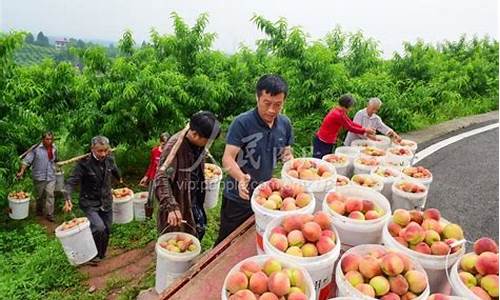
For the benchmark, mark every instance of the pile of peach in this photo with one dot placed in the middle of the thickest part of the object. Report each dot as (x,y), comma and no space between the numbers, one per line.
(400,151)
(384,172)
(365,180)
(211,171)
(179,244)
(336,159)
(352,207)
(368,161)
(19,195)
(410,187)
(72,223)
(122,193)
(417,172)
(372,151)
(342,180)
(275,195)
(307,169)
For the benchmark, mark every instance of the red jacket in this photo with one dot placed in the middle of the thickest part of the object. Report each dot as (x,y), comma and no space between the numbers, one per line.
(333,122)
(153,163)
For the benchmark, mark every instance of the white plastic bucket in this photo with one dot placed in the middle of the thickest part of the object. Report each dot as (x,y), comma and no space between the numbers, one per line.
(458,288)
(212,188)
(360,168)
(263,216)
(19,208)
(170,265)
(435,265)
(356,232)
(425,181)
(77,242)
(364,152)
(408,201)
(140,200)
(352,153)
(345,288)
(123,210)
(388,181)
(320,268)
(379,182)
(388,162)
(261,259)
(342,178)
(341,168)
(403,159)
(383,142)
(59,181)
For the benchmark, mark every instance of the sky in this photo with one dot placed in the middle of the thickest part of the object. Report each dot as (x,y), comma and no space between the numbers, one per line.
(390,22)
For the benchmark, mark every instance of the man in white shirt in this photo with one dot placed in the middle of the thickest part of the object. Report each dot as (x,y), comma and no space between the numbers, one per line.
(368,117)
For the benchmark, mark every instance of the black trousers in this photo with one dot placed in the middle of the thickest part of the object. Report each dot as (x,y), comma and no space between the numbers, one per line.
(100,225)
(321,148)
(232,215)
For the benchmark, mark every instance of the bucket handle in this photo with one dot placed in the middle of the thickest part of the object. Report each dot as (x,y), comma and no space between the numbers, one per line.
(457,243)
(183,222)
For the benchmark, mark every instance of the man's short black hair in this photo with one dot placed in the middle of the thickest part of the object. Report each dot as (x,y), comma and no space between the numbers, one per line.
(205,124)
(272,84)
(47,134)
(347,101)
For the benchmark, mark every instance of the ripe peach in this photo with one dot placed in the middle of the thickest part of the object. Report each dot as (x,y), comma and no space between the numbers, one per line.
(413,233)
(401,217)
(432,213)
(324,245)
(440,248)
(258,283)
(392,264)
(453,231)
(297,279)
(236,281)
(260,200)
(279,283)
(368,205)
(431,237)
(337,206)
(268,296)
(287,191)
(297,296)
(417,281)
(377,253)
(306,218)
(243,295)
(468,279)
(417,216)
(270,204)
(270,266)
(354,278)
(309,250)
(276,199)
(265,191)
(423,248)
(398,284)
(381,285)
(295,251)
(350,262)
(291,223)
(401,241)
(479,292)
(489,283)
(302,200)
(311,231)
(487,263)
(330,234)
(288,204)
(468,262)
(485,245)
(408,264)
(279,229)
(408,296)
(390,296)
(394,229)
(366,289)
(297,189)
(439,296)
(250,267)
(293,173)
(323,219)
(357,215)
(431,224)
(369,267)
(279,241)
(353,205)
(296,238)
(372,215)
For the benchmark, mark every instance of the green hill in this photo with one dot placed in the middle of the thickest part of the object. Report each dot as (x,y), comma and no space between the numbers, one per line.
(32,54)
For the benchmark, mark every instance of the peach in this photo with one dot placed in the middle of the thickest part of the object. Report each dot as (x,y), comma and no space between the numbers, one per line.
(309,250)
(369,267)
(279,283)
(431,224)
(324,245)
(372,215)
(366,289)
(381,285)
(423,248)
(416,216)
(392,264)
(271,266)
(279,229)
(353,205)
(485,245)
(302,200)
(413,233)
(337,206)
(468,262)
(243,295)
(268,296)
(489,283)
(275,184)
(311,231)
(453,231)
(401,217)
(334,196)
(357,215)
(297,189)
(468,279)
(323,219)
(276,199)
(291,223)
(297,279)
(401,241)
(417,281)
(297,296)
(350,262)
(250,267)
(265,191)
(288,204)
(394,229)
(354,278)
(295,251)
(306,218)
(439,296)
(408,296)
(377,253)
(408,264)
(270,204)
(260,200)
(330,234)
(440,248)
(487,263)
(287,191)
(480,293)
(398,284)
(432,213)
(368,205)
(236,281)
(279,241)
(431,237)
(258,283)
(296,238)
(293,173)
(390,296)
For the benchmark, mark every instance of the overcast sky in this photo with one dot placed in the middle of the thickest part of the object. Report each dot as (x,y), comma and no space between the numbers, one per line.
(388,21)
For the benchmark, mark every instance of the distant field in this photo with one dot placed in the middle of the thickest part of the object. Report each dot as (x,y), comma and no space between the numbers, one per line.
(33,54)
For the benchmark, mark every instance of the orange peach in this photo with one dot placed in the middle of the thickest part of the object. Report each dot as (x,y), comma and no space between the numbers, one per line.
(487,263)
(296,238)
(432,213)
(302,200)
(369,267)
(368,205)
(270,266)
(353,205)
(366,289)
(311,231)
(423,248)
(334,197)
(324,245)
(480,293)
(485,245)
(236,281)
(297,296)
(295,251)
(279,241)
(401,241)
(440,248)
(337,206)
(372,215)
(431,224)
(265,191)
(279,283)
(489,283)
(268,296)
(408,296)
(453,231)
(291,223)
(417,216)
(279,229)
(350,262)
(381,285)
(288,204)
(357,215)
(416,281)
(414,233)
(390,296)
(323,219)
(330,234)
(468,279)
(250,267)
(306,218)
(468,262)
(394,229)
(258,283)
(354,278)
(309,250)
(439,296)
(243,295)
(431,237)
(401,217)
(398,284)
(392,264)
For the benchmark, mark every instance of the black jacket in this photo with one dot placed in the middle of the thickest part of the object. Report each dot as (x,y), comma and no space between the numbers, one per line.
(94,178)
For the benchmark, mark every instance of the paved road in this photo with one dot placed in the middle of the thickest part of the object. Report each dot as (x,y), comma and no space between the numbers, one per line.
(465,186)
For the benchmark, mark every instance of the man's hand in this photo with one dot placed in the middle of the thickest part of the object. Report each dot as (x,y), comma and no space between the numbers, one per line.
(174,218)
(370,131)
(243,187)
(144,181)
(67,206)
(371,137)
(287,154)
(19,175)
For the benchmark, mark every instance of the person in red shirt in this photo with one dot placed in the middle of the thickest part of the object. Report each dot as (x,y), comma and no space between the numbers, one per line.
(151,171)
(326,137)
